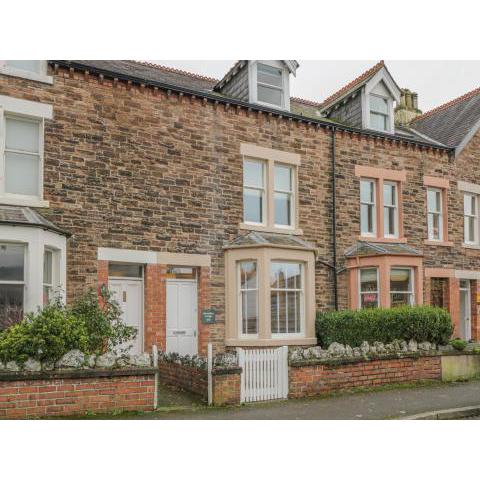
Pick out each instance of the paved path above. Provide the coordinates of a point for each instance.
(371, 405)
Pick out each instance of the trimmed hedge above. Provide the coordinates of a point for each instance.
(352, 327)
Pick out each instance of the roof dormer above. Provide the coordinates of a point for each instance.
(265, 82)
(367, 102)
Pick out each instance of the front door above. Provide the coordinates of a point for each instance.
(182, 317)
(129, 295)
(465, 310)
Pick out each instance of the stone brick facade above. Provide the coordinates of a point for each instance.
(129, 166)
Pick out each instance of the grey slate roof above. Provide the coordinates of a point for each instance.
(261, 239)
(450, 123)
(26, 216)
(368, 249)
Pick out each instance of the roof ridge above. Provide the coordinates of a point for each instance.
(175, 70)
(448, 104)
(354, 82)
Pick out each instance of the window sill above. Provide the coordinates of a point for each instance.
(24, 202)
(37, 77)
(263, 228)
(269, 342)
(438, 243)
(472, 247)
(382, 239)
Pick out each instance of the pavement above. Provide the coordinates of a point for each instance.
(372, 405)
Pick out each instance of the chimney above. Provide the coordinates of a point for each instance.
(407, 110)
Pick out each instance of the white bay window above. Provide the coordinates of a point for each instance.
(248, 297)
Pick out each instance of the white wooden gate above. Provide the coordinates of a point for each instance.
(264, 373)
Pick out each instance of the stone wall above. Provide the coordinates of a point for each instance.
(76, 392)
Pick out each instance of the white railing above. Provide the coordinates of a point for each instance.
(264, 373)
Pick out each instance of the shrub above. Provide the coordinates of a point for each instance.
(86, 325)
(352, 327)
(458, 344)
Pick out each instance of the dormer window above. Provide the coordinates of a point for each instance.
(379, 113)
(29, 69)
(270, 85)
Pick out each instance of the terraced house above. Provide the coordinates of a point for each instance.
(225, 211)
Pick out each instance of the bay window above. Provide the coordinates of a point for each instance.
(390, 209)
(286, 297)
(12, 283)
(401, 287)
(254, 191)
(368, 213)
(47, 276)
(248, 297)
(369, 289)
(470, 218)
(434, 214)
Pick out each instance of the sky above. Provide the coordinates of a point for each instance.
(436, 82)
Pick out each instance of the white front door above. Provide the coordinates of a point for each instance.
(182, 317)
(129, 295)
(465, 310)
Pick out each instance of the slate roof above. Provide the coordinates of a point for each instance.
(26, 216)
(369, 249)
(261, 239)
(450, 123)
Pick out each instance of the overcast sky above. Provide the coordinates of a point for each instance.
(436, 82)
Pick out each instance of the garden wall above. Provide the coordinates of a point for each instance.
(76, 392)
(314, 377)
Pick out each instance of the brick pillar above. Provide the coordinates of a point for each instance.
(203, 303)
(427, 293)
(475, 291)
(155, 315)
(453, 305)
(102, 272)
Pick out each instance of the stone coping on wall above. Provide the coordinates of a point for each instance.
(227, 370)
(76, 373)
(390, 356)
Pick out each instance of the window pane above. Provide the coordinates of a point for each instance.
(471, 229)
(399, 299)
(434, 201)
(11, 305)
(248, 275)
(400, 280)
(47, 267)
(186, 273)
(366, 191)
(283, 178)
(269, 75)
(283, 208)
(378, 121)
(389, 194)
(252, 205)
(389, 221)
(28, 65)
(368, 280)
(124, 270)
(249, 312)
(11, 262)
(378, 104)
(366, 218)
(253, 174)
(292, 276)
(22, 135)
(269, 95)
(277, 275)
(21, 173)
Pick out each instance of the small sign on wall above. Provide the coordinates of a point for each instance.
(208, 316)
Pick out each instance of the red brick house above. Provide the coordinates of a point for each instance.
(225, 211)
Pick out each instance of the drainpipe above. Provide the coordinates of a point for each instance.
(334, 218)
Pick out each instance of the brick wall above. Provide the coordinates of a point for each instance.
(77, 393)
(226, 387)
(185, 377)
(314, 379)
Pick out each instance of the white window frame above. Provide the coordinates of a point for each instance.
(54, 284)
(360, 292)
(293, 184)
(412, 284)
(395, 209)
(263, 190)
(301, 331)
(41, 76)
(239, 297)
(371, 205)
(475, 217)
(432, 213)
(386, 115)
(253, 83)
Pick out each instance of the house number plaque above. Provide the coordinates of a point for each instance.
(208, 316)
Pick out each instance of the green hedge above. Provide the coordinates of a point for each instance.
(352, 327)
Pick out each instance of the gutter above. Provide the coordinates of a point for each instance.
(334, 217)
(231, 101)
